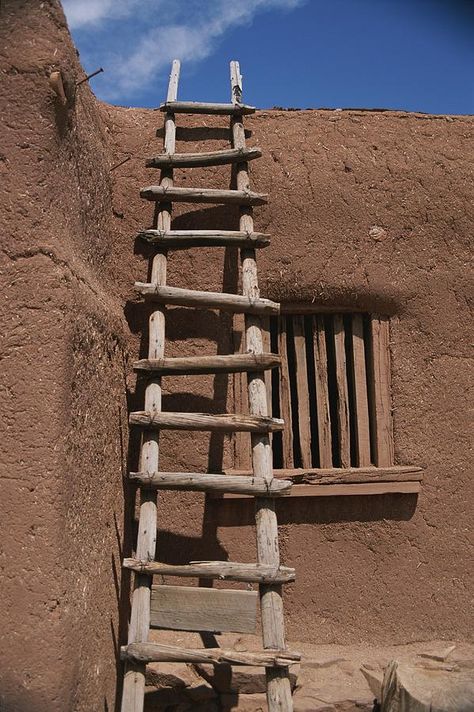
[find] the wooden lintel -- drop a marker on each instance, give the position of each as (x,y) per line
(350,475)
(347,489)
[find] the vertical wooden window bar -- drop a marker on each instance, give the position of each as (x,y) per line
(333,390)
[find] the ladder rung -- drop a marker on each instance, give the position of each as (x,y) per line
(182,239)
(227,422)
(202,195)
(223,570)
(233,363)
(197,482)
(209,158)
(207,300)
(159,653)
(197,107)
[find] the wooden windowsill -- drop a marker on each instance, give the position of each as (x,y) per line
(330,482)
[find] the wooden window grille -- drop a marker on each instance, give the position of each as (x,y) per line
(333,390)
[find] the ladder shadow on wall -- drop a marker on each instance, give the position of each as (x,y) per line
(321,510)
(184,325)
(202,133)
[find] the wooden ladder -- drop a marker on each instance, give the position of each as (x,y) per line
(267,572)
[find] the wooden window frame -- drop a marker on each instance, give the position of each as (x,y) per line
(372,435)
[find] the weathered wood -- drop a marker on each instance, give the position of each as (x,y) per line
(285,396)
(345,490)
(342,392)
(184,239)
(202,195)
(227,422)
(207,300)
(232,363)
(322,392)
(359,374)
(271,603)
(337,475)
(199,107)
(381,411)
(211,483)
(222,570)
(159,653)
(304,417)
(134,678)
(206,158)
(203,609)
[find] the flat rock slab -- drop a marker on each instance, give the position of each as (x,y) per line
(433,688)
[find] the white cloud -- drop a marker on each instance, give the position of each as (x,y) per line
(136,39)
(81,13)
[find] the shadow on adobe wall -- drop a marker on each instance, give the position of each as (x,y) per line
(319,510)
(202,133)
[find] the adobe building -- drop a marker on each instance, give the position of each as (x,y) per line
(370,216)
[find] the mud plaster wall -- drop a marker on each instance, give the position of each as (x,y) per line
(64,343)
(383,569)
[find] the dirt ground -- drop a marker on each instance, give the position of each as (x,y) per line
(367,209)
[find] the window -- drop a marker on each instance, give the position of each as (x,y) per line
(333,391)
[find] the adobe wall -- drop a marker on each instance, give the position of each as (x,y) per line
(63,440)
(368,568)
(377,569)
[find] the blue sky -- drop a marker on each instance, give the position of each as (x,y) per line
(416,55)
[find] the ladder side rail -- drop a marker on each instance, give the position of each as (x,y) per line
(273,627)
(133,694)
